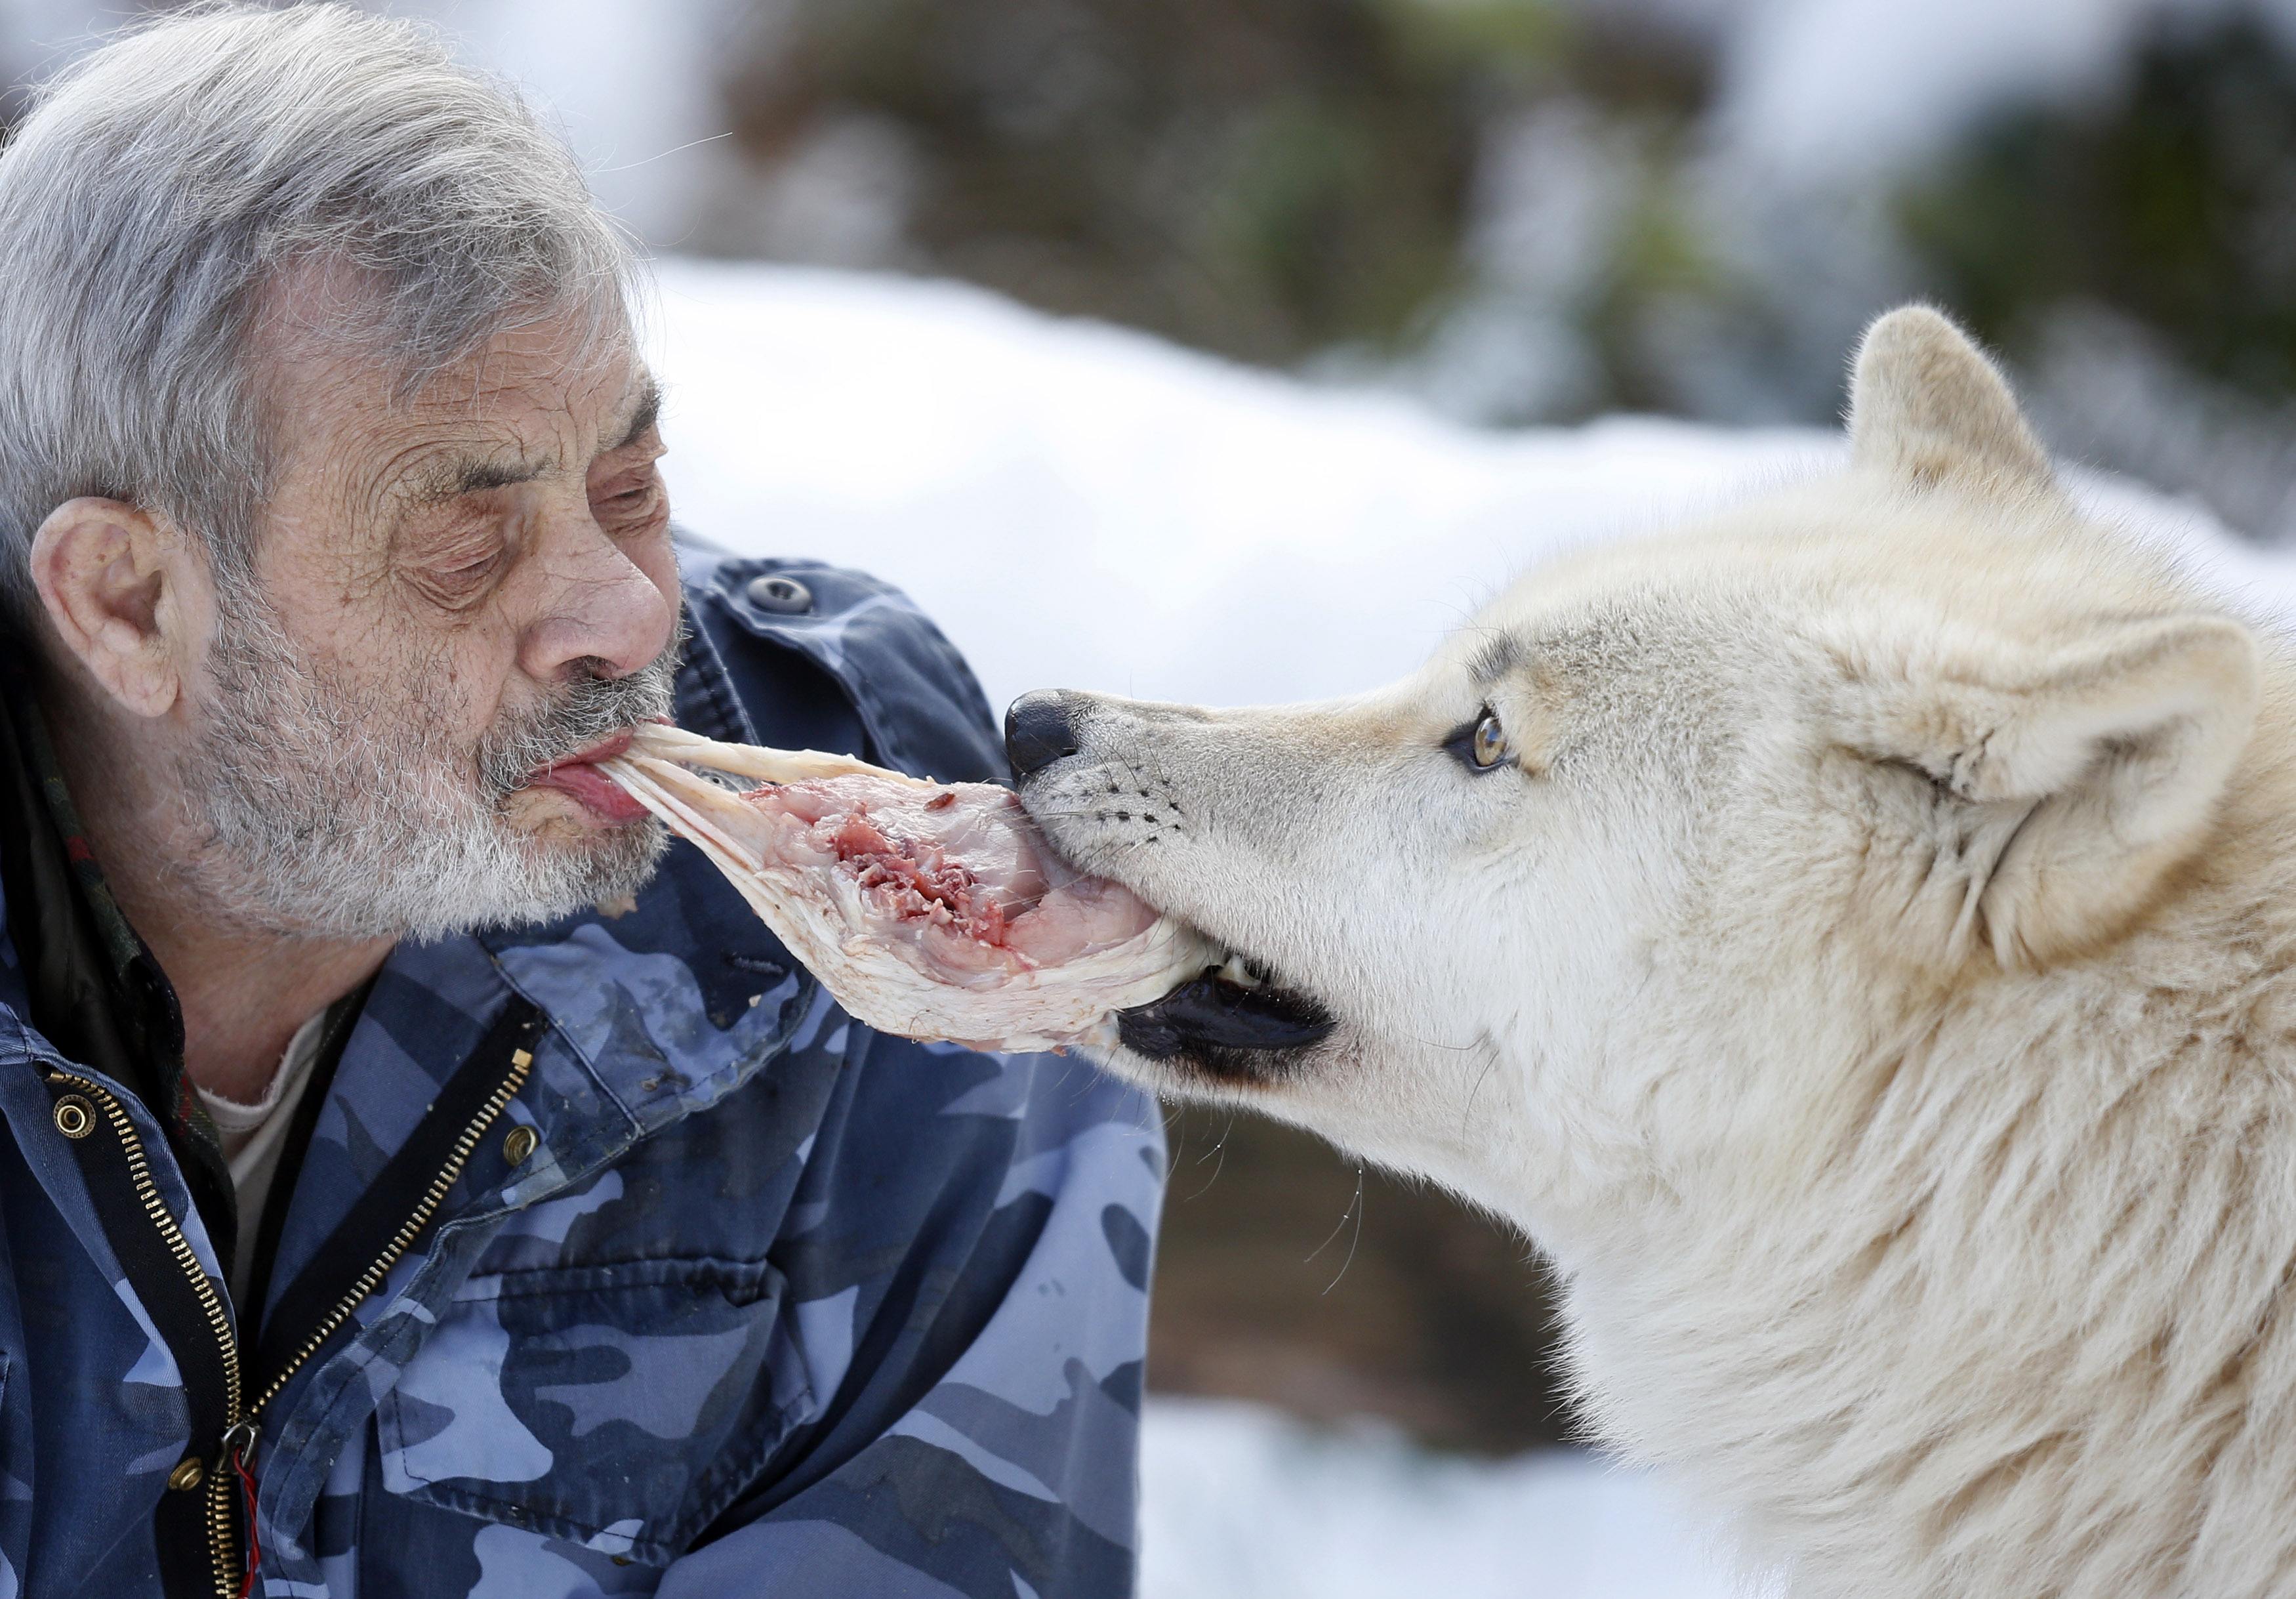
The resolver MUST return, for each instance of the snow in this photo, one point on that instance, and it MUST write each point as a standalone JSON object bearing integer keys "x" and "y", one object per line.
{"x": 1240, "y": 1501}
{"x": 1081, "y": 506}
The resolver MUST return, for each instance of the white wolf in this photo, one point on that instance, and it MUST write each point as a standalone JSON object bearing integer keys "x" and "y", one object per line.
{"x": 1855, "y": 937}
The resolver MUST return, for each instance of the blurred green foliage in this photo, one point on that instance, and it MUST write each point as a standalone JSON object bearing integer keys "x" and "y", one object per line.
{"x": 1279, "y": 179}
{"x": 2169, "y": 199}
{"x": 1264, "y": 177}
{"x": 1659, "y": 260}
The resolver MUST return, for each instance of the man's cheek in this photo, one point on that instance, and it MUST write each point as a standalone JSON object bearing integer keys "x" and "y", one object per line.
{"x": 459, "y": 692}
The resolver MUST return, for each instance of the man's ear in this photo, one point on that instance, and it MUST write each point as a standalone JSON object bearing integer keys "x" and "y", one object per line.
{"x": 2063, "y": 786}
{"x": 1928, "y": 408}
{"x": 125, "y": 597}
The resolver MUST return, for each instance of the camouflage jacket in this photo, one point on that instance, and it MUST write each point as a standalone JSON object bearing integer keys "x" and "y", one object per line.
{"x": 617, "y": 1261}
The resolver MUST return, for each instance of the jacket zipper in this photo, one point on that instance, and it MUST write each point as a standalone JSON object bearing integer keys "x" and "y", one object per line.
{"x": 235, "y": 1459}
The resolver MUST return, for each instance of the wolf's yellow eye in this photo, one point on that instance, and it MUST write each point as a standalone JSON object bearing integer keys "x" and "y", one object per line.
{"x": 1489, "y": 745}
{"x": 1481, "y": 745}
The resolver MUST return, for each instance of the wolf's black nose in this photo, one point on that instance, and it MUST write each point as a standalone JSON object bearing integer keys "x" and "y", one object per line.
{"x": 1038, "y": 730}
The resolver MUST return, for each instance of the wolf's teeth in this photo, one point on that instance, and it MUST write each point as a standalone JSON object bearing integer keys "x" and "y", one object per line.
{"x": 1244, "y": 973}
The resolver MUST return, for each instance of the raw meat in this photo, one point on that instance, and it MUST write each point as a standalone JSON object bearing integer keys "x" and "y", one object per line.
{"x": 932, "y": 911}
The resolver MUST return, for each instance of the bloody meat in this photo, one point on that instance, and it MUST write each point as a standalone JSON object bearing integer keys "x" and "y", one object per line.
{"x": 932, "y": 910}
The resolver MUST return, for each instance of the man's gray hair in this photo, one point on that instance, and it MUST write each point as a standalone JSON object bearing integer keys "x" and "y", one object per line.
{"x": 161, "y": 183}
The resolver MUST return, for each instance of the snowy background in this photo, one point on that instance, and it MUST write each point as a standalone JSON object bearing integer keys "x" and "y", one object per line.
{"x": 1228, "y": 352}
{"x": 1083, "y": 506}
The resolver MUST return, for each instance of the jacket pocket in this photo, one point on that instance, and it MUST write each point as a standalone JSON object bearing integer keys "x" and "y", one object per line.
{"x": 621, "y": 1407}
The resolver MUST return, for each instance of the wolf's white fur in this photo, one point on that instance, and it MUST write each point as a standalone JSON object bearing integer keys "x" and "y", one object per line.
{"x": 1872, "y": 984}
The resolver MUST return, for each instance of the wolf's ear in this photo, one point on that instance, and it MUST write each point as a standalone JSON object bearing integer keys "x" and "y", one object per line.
{"x": 1927, "y": 408}
{"x": 2063, "y": 785}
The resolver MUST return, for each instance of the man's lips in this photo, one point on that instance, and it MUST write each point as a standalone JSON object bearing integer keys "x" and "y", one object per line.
{"x": 578, "y": 777}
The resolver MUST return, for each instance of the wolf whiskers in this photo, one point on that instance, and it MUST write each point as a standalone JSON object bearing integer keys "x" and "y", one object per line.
{"x": 1355, "y": 1208}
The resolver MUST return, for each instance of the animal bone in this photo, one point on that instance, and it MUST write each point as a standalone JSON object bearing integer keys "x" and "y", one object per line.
{"x": 931, "y": 911}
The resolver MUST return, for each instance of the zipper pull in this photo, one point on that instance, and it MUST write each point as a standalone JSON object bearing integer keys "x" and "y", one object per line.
{"x": 238, "y": 1454}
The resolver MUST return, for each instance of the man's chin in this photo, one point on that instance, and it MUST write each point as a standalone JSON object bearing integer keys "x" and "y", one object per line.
{"x": 559, "y": 865}
{"x": 630, "y": 855}
{"x": 493, "y": 876}
{"x": 594, "y": 859}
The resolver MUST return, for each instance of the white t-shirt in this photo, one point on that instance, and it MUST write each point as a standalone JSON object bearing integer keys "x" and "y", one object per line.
{"x": 253, "y": 1136}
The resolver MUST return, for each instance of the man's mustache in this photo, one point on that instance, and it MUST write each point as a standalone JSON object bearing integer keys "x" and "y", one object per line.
{"x": 594, "y": 707}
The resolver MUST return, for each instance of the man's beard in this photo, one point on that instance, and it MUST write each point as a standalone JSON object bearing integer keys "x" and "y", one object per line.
{"x": 340, "y": 812}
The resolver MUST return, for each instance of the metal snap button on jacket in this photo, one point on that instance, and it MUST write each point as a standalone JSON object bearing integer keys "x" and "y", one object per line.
{"x": 785, "y": 596}
{"x": 75, "y": 1117}
{"x": 188, "y": 1474}
{"x": 518, "y": 1144}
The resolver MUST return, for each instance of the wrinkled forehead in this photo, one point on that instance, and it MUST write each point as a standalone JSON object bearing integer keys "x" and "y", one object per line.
{"x": 325, "y": 359}
{"x": 539, "y": 399}
{"x": 351, "y": 431}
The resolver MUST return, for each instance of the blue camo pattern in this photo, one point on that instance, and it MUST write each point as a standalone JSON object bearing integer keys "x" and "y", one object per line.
{"x": 777, "y": 1306}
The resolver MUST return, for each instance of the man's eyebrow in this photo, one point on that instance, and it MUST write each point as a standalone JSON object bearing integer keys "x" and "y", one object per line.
{"x": 648, "y": 413}
{"x": 456, "y": 478}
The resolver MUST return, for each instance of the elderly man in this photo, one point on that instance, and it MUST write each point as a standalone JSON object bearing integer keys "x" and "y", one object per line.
{"x": 419, "y": 1177}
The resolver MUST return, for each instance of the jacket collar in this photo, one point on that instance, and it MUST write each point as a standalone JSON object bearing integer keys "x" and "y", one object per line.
{"x": 87, "y": 982}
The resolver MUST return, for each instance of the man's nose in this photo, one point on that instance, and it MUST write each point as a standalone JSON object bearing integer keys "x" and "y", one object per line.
{"x": 602, "y": 608}
{"x": 1039, "y": 729}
